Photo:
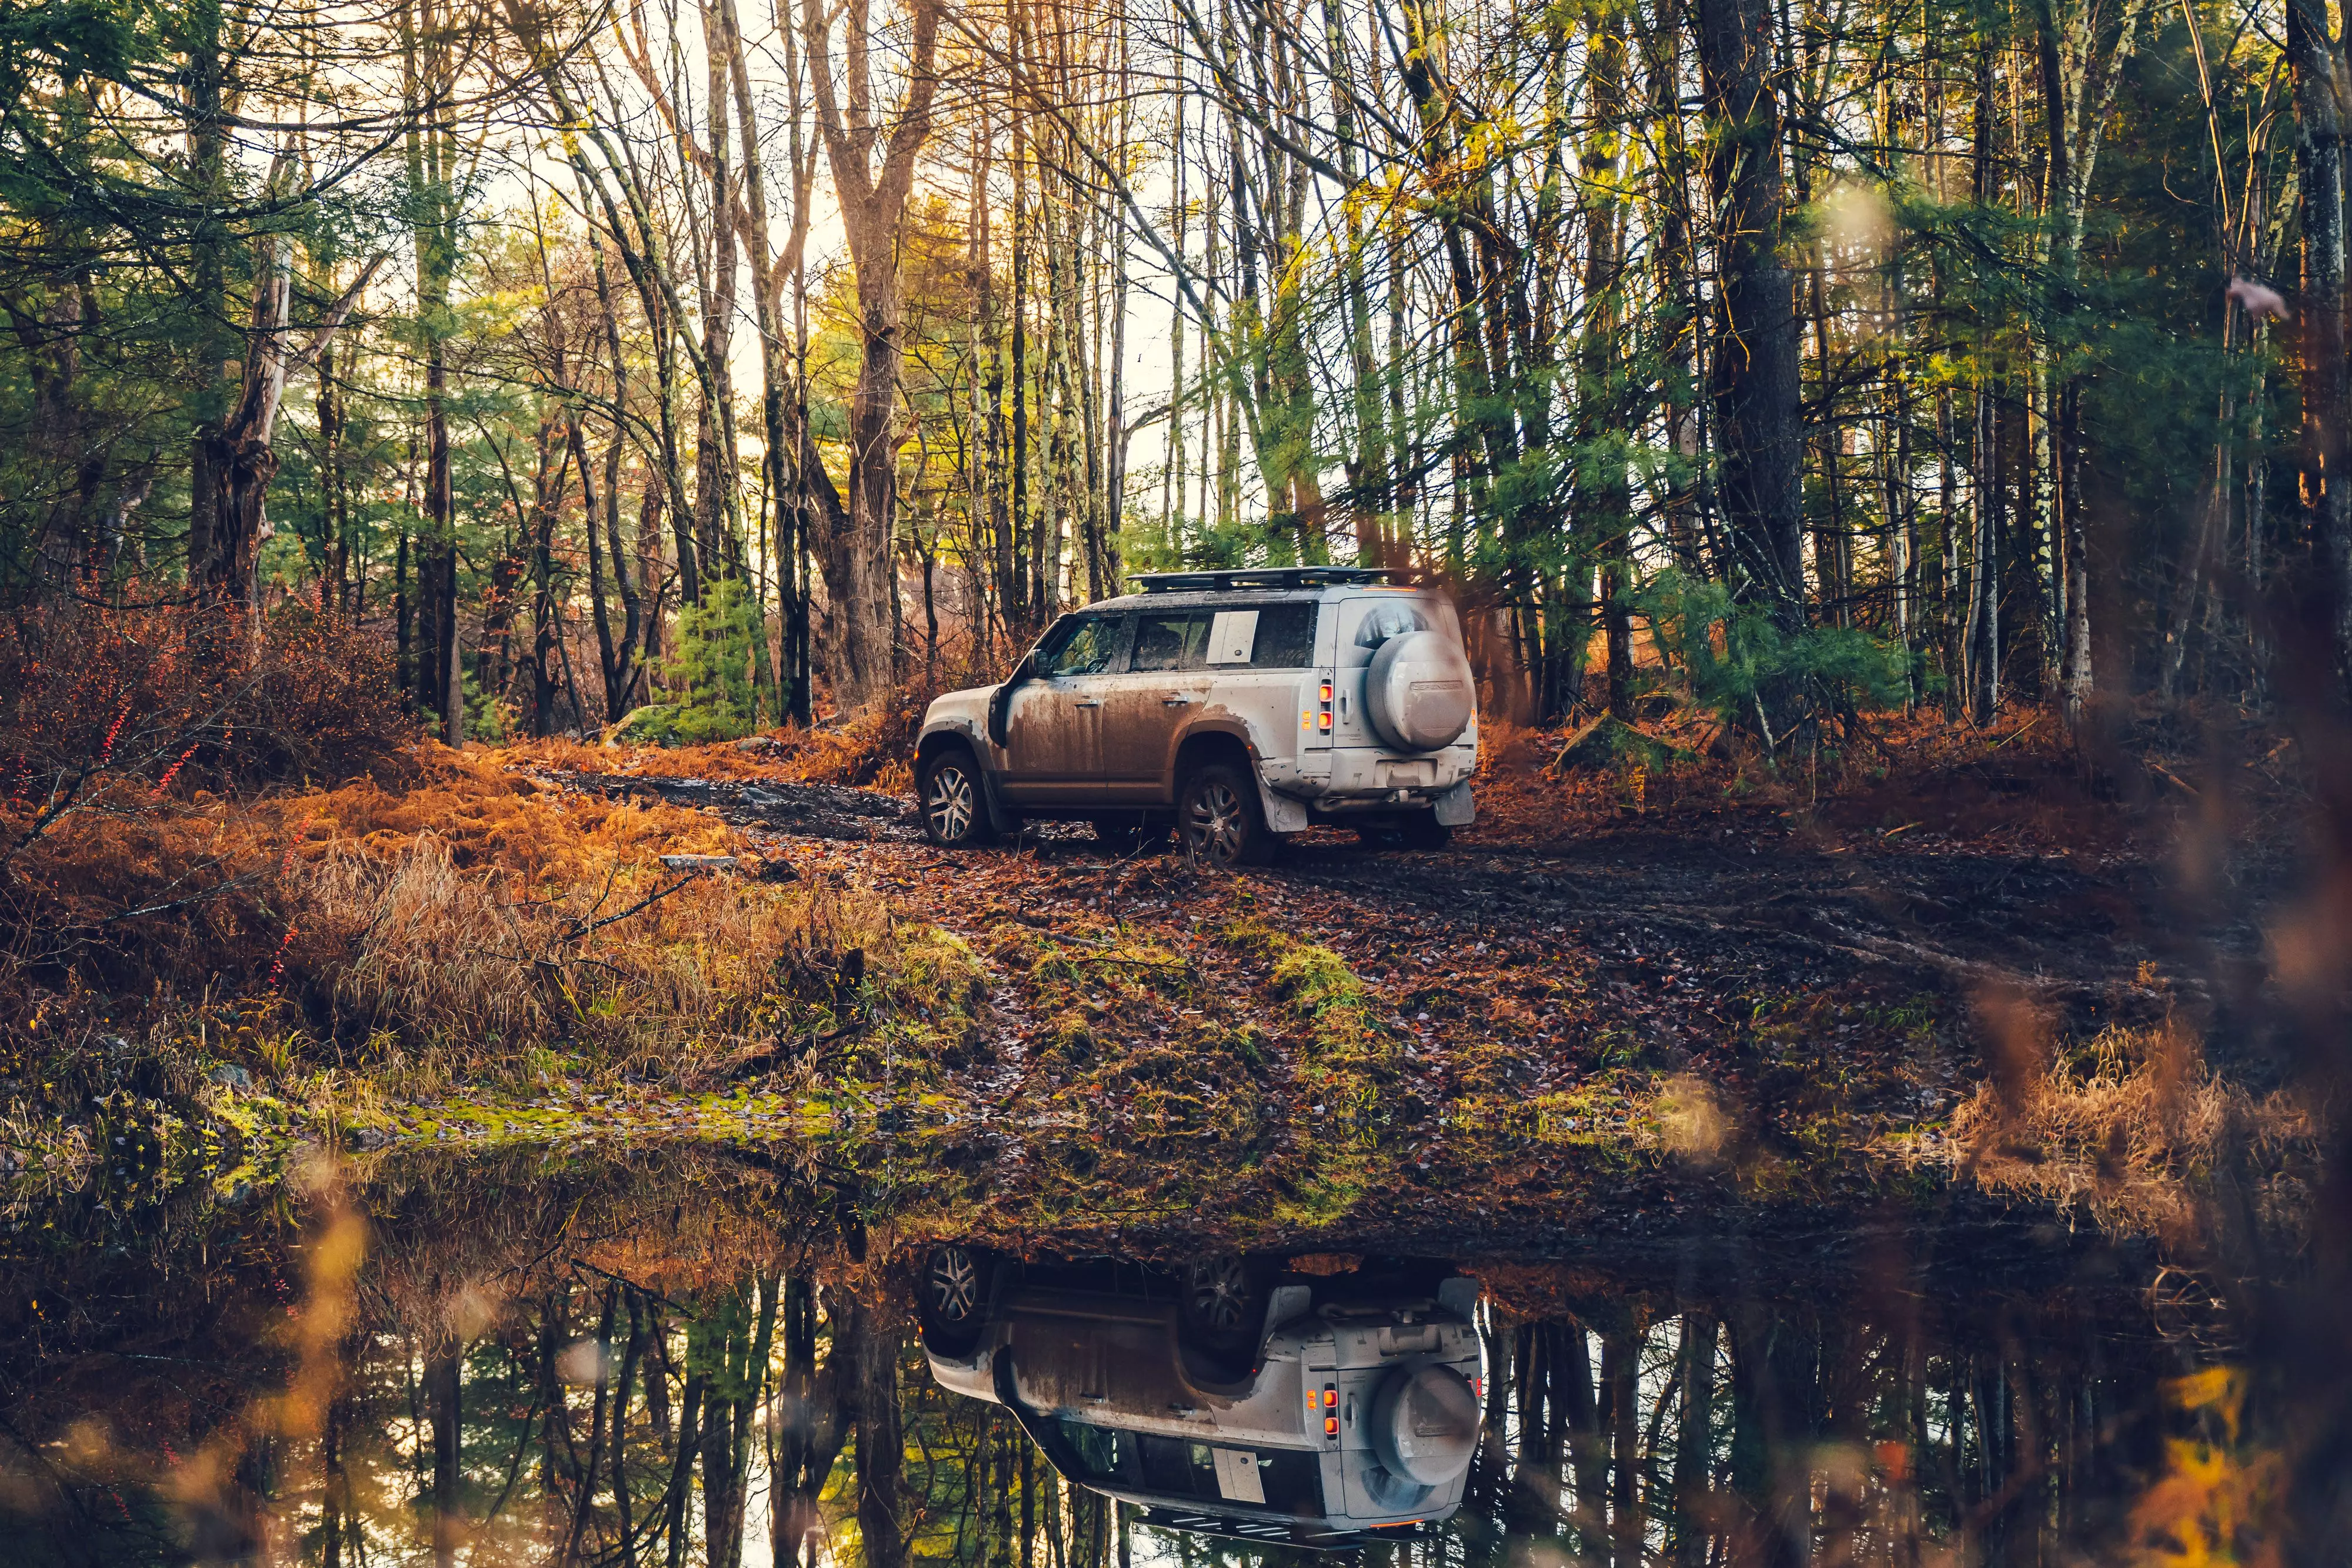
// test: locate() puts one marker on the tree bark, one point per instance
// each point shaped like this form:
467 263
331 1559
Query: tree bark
873 200
1757 345
2326 491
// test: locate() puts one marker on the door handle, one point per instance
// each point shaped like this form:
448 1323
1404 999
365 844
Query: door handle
1087 702
1174 701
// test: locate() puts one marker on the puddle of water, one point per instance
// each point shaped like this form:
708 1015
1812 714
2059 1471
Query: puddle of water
693 1361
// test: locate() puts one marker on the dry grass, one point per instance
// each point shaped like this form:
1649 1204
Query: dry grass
431 960
476 926
870 749
2135 1131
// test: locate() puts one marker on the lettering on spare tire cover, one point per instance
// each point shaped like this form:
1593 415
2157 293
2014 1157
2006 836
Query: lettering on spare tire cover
1430 701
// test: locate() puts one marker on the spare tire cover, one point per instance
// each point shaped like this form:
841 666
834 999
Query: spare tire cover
1426 1423
1418 692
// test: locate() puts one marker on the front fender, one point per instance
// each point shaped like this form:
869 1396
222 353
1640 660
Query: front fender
969 734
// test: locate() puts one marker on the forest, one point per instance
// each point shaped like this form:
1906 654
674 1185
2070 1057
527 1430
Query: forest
490 1058
748 367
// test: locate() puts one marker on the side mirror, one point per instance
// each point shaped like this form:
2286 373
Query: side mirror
1000 705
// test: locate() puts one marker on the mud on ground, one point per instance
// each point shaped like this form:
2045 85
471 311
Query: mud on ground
1741 979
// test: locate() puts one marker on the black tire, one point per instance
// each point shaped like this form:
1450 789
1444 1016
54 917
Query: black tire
951 1298
1219 820
953 799
1128 835
1222 1309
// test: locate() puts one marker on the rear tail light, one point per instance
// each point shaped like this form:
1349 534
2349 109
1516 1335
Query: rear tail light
1330 1395
1323 719
1330 1426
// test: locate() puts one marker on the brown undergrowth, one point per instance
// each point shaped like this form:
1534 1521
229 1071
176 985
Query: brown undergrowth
2134 1131
475 927
1899 780
870 749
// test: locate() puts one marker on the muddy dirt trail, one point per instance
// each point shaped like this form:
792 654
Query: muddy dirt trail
1798 966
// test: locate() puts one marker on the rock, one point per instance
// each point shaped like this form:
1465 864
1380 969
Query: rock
713 863
228 1075
755 743
366 1138
775 871
755 796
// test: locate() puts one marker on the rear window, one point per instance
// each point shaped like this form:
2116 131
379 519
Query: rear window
1367 622
1384 621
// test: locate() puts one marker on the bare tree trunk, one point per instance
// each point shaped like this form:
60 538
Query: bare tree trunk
2326 387
1755 347
441 1397
881 1446
873 199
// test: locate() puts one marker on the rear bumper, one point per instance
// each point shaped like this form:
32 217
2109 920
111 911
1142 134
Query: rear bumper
1452 803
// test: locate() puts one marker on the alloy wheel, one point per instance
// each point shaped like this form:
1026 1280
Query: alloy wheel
950 804
952 1285
1218 1294
1213 825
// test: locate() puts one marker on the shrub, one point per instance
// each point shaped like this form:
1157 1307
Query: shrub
713 673
1743 666
181 698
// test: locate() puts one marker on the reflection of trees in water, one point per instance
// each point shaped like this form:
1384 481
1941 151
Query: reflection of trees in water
1749 1434
592 1421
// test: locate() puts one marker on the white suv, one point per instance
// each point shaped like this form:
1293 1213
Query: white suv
1236 706
1230 1397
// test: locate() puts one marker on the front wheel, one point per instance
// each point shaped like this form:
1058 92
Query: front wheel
953 1299
955 804
1218 816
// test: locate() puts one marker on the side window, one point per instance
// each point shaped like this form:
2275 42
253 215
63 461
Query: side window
1170 640
1084 649
1286 638
1269 637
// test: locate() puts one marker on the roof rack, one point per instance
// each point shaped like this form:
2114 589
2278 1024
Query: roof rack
1280 577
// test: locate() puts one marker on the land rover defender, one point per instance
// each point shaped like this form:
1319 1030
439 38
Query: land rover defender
1236 706
1233 1396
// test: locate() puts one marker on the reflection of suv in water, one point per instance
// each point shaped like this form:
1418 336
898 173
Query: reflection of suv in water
1235 706
1230 1396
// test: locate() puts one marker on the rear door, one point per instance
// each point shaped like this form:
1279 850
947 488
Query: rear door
1366 622
1166 681
1053 736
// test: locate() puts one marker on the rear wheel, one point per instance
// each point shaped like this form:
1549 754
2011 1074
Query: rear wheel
1218 816
955 806
1223 1303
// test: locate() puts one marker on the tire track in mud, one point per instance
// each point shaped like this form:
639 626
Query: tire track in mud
1671 934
